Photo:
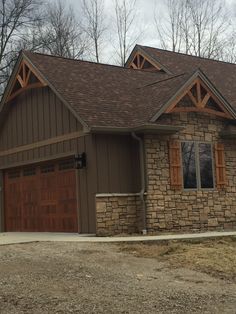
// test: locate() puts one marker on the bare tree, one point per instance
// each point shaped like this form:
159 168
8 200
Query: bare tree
229 53
197 27
15 17
171 33
128 34
209 23
60 34
94 23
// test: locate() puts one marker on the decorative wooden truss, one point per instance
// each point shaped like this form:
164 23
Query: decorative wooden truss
26 78
198 98
141 62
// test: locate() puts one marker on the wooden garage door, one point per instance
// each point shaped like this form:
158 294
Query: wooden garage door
41 198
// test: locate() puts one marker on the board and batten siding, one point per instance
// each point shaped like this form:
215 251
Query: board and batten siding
37 116
118 169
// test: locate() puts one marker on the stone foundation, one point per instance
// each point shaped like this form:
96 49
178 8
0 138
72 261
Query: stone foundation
117 214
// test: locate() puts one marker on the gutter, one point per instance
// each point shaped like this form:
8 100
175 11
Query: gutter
145 128
143 181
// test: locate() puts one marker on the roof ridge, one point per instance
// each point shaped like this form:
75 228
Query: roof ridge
166 79
86 61
188 55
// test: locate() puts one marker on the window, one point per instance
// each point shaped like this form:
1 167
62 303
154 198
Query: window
47 168
67 164
205 165
13 174
27 172
197 165
189 165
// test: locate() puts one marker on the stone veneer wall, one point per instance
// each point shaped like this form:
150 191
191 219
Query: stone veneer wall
117 214
195 210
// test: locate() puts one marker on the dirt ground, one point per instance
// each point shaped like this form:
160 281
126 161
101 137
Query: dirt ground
167 277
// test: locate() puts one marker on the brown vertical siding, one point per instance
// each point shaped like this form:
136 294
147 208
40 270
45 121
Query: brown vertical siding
83 192
1 203
112 167
117 164
39 115
91 180
102 164
35 116
112 160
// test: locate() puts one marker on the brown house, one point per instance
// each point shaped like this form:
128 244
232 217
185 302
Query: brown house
94 148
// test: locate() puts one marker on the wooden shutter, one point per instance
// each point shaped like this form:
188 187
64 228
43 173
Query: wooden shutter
220 165
175 165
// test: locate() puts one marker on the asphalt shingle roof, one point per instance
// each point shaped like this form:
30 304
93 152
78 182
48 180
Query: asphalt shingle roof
112 96
221 74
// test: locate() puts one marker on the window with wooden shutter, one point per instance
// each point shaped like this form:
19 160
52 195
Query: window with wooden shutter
220 165
175 165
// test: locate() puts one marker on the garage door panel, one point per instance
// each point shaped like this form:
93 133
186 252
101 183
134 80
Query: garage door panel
48 196
12 201
41 198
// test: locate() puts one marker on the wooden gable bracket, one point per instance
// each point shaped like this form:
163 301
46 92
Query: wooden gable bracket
26 78
141 62
198 98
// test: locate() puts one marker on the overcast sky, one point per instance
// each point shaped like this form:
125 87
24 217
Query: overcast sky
145 21
145 14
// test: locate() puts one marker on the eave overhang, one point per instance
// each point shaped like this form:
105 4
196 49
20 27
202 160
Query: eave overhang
143 129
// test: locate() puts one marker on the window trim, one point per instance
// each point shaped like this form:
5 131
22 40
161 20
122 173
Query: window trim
197 160
47 168
29 171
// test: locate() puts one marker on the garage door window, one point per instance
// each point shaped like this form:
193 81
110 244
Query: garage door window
29 172
14 174
67 164
47 168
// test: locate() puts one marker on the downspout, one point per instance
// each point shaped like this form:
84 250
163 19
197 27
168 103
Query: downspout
143 181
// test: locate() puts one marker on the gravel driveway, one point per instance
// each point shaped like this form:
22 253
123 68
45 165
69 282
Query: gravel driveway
102 278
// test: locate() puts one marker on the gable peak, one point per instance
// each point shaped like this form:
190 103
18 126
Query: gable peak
198 97
26 78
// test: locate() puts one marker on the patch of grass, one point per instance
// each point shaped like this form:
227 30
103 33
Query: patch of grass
216 257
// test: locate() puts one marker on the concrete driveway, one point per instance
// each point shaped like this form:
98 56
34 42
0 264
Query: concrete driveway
27 237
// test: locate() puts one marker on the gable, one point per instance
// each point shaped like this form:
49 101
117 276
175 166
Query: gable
26 78
141 62
195 94
34 116
197 97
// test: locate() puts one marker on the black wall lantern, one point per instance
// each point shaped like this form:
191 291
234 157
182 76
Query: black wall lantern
80 161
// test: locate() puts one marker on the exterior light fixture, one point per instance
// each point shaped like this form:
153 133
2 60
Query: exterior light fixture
80 161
